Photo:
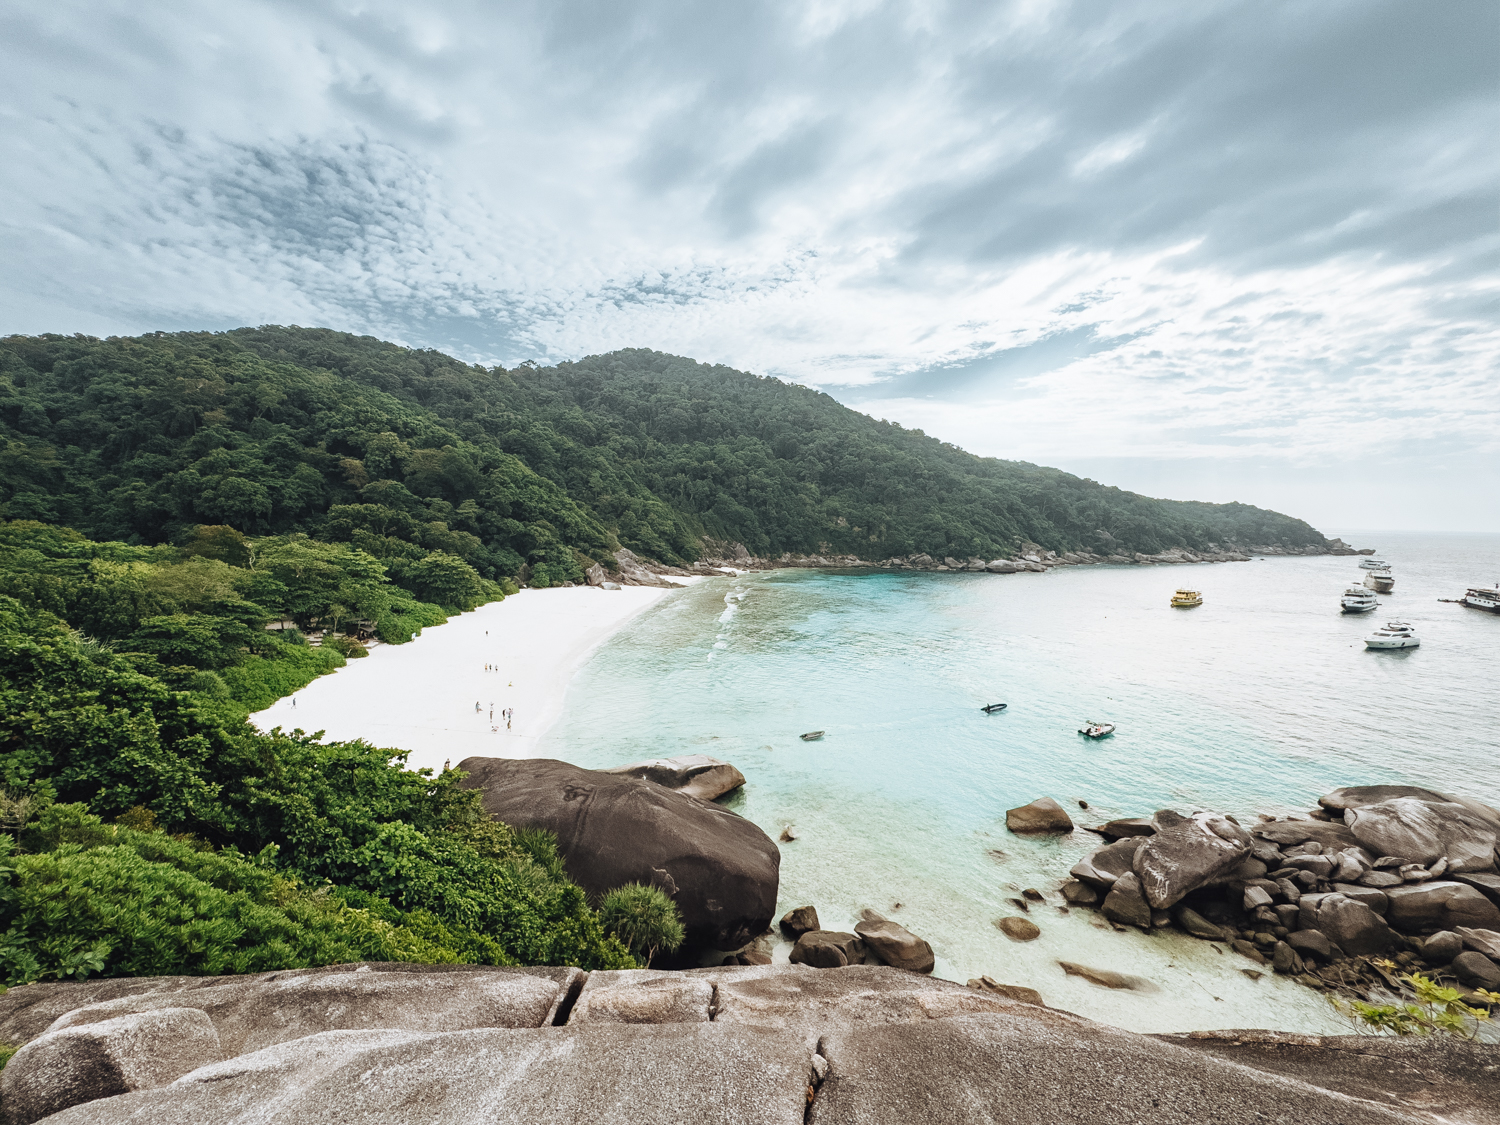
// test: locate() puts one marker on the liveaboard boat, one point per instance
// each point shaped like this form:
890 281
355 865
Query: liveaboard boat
1186 599
1393 635
1091 729
1381 581
1373 564
1483 597
1357 599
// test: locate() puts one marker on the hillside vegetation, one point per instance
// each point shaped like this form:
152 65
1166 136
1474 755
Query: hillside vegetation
407 453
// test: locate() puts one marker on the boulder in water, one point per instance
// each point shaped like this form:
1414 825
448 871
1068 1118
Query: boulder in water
1019 929
795 923
1109 978
828 949
1126 902
1042 815
1119 829
720 869
894 944
1102 866
1425 832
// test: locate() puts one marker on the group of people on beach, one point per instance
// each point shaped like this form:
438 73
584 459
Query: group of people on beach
507 714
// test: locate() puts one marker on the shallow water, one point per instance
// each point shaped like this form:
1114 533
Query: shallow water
1258 700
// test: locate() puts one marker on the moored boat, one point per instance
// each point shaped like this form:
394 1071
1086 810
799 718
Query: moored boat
1186 599
1357 599
1091 729
1373 564
811 736
1483 597
1392 635
1381 581
993 708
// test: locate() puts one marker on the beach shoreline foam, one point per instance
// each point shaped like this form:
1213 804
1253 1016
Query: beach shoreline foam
520 653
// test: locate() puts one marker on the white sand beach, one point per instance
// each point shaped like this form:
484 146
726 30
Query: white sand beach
517 654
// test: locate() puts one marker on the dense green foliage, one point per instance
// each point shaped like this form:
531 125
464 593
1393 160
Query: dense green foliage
643 918
273 849
402 453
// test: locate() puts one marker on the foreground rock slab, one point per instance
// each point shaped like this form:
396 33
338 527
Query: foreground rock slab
720 869
784 1045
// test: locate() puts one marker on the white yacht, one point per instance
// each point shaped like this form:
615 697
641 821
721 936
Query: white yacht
1381 581
1373 564
1395 634
1483 597
1357 599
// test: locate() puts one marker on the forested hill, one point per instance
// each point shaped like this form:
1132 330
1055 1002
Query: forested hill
276 430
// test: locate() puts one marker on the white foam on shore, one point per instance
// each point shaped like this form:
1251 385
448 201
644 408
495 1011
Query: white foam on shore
421 696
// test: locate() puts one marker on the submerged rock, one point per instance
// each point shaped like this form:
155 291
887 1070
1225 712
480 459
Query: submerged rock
1108 978
1019 929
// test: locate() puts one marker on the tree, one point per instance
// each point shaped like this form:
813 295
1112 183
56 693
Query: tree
644 919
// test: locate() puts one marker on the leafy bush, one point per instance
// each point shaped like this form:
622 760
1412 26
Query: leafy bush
644 919
1432 1010
258 682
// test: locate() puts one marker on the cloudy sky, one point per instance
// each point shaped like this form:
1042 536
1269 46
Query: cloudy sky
1210 250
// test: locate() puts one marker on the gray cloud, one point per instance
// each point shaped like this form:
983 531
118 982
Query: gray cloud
1189 219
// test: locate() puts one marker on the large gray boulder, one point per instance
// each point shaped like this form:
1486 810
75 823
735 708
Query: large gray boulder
1126 902
1358 796
894 944
1102 866
1425 832
720 869
100 1060
695 775
1486 884
828 949
1289 833
1352 926
1440 905
1187 853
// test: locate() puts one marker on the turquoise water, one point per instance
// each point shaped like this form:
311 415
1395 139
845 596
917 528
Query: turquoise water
1258 700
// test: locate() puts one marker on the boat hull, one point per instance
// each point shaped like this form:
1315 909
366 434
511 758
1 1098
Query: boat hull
1488 605
1392 645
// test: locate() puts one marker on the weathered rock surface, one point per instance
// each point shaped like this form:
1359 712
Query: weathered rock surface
720 869
1352 926
794 1045
894 944
1440 905
1482 941
1197 925
259 1010
1079 894
1126 902
1120 829
795 923
1019 929
1486 884
1187 853
643 996
1442 947
1311 943
1476 971
1425 832
1287 833
100 1060
1010 991
1102 866
828 949
696 775
1042 815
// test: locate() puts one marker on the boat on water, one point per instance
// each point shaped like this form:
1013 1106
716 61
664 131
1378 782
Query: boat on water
1186 599
1483 597
1381 581
1357 599
811 736
1373 564
1091 729
993 708
1393 635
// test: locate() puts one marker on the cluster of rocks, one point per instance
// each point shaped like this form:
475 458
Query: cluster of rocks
384 1044
651 822
876 940
1376 875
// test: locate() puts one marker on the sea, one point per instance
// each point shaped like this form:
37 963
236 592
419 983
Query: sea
1257 701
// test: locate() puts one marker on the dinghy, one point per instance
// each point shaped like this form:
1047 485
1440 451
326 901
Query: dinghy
811 736
1091 729
993 708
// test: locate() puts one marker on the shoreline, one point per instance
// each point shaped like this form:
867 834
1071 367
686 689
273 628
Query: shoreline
405 698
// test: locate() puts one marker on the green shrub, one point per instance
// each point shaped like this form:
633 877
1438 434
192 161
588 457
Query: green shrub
257 682
643 918
347 647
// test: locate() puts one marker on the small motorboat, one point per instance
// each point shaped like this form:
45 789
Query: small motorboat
993 708
1395 635
811 736
1186 599
1091 729
1357 599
